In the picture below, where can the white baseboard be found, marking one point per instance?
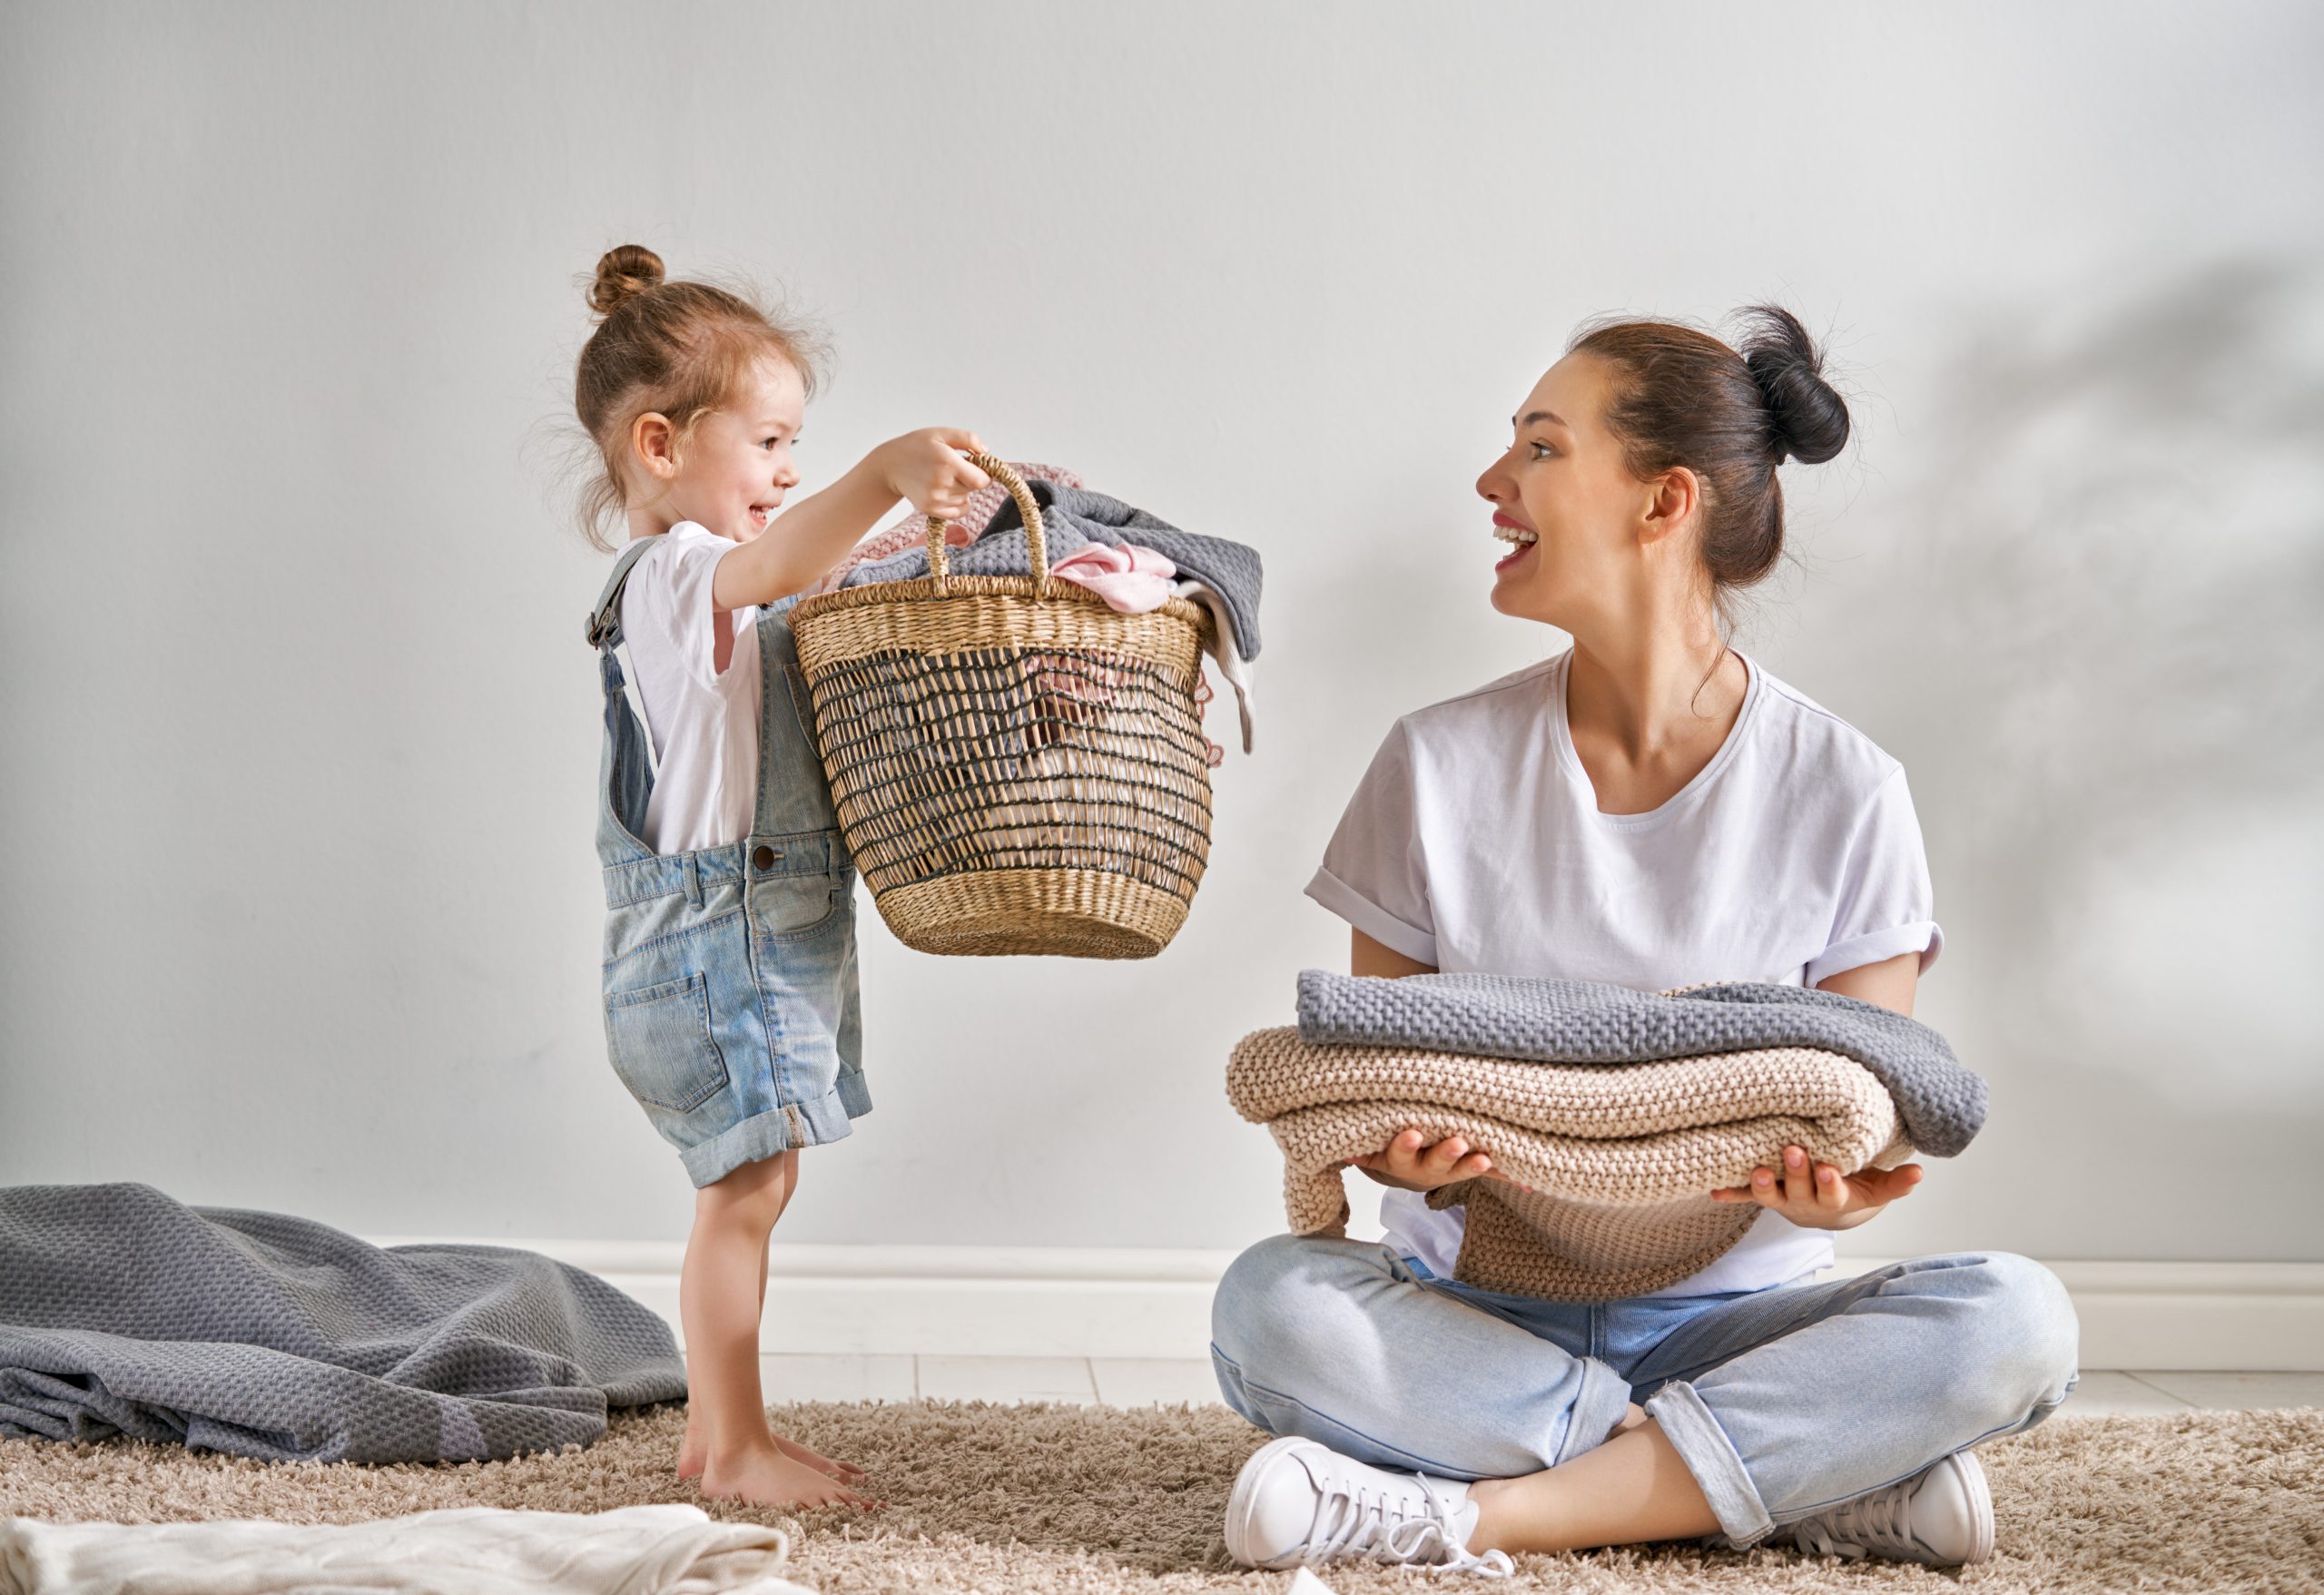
(1129, 1302)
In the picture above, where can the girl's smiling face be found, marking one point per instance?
(731, 473)
(1565, 502)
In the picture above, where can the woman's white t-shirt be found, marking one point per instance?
(1474, 843)
(704, 721)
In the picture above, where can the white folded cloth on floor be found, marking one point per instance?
(667, 1550)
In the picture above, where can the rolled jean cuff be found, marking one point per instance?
(813, 1123)
(1603, 1400)
(1695, 1435)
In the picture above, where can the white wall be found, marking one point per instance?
(301, 911)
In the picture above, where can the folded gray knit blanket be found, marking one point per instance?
(269, 1336)
(1075, 517)
(1942, 1104)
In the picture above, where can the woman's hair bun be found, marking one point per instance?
(626, 270)
(1810, 419)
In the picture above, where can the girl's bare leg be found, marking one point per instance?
(845, 1472)
(720, 1299)
(693, 1449)
(1633, 1487)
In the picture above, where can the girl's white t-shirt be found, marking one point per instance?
(704, 721)
(1474, 843)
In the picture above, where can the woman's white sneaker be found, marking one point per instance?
(1941, 1515)
(1297, 1501)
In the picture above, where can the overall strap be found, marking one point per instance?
(606, 616)
(604, 622)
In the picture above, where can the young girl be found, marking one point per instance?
(729, 980)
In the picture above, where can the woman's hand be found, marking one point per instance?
(1409, 1164)
(1822, 1197)
(931, 468)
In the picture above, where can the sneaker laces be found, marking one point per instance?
(1879, 1522)
(1382, 1527)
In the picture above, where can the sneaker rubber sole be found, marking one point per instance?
(1239, 1502)
(1981, 1496)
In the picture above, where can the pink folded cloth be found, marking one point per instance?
(1212, 753)
(1072, 691)
(1131, 578)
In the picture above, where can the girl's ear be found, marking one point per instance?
(1673, 499)
(655, 442)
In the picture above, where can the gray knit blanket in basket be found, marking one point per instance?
(1622, 1109)
(124, 1311)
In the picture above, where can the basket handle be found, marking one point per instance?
(939, 567)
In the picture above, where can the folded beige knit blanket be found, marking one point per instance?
(1622, 1158)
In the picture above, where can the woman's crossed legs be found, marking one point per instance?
(1777, 1404)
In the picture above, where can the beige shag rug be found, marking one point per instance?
(1054, 1498)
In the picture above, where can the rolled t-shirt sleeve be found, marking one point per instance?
(1375, 871)
(1886, 907)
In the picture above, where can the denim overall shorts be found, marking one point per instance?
(732, 1008)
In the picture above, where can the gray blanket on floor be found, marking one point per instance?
(1074, 517)
(1942, 1104)
(264, 1335)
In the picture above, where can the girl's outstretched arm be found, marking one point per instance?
(929, 467)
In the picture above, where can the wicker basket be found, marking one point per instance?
(1017, 767)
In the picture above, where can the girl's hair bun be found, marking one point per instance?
(1810, 419)
(623, 271)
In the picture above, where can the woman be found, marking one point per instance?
(1653, 810)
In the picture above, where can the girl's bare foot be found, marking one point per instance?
(693, 1454)
(845, 1472)
(765, 1476)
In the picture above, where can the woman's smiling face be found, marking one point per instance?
(1564, 501)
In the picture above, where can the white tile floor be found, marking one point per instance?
(1141, 1382)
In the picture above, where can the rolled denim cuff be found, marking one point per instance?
(1695, 1435)
(1603, 1400)
(828, 1117)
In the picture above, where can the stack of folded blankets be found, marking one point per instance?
(1622, 1109)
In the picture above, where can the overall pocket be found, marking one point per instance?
(800, 907)
(659, 1039)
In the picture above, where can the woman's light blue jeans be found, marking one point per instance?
(1782, 1402)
